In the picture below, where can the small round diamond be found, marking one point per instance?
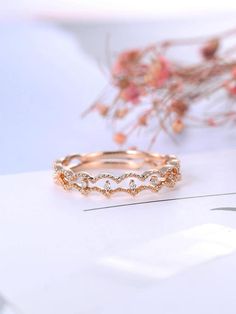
(83, 183)
(132, 184)
(107, 186)
(154, 180)
(68, 174)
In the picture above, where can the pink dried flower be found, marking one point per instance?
(124, 62)
(234, 73)
(131, 94)
(158, 73)
(168, 90)
(211, 122)
(210, 48)
(231, 87)
(179, 107)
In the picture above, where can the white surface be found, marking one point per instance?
(53, 252)
(177, 252)
(46, 81)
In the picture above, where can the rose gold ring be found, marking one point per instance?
(146, 171)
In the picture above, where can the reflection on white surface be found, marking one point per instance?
(166, 256)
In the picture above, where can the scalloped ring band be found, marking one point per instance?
(143, 171)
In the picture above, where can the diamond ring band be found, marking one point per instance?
(144, 171)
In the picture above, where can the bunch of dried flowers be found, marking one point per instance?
(154, 91)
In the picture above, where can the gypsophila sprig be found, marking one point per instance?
(154, 91)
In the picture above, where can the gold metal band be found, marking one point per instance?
(146, 171)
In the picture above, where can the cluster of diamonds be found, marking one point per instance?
(152, 180)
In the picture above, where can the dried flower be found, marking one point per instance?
(178, 126)
(234, 73)
(122, 82)
(121, 113)
(210, 48)
(102, 109)
(131, 94)
(158, 72)
(143, 119)
(120, 138)
(164, 90)
(124, 62)
(231, 87)
(211, 122)
(176, 87)
(179, 107)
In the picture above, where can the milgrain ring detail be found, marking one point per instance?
(164, 170)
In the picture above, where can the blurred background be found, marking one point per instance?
(53, 64)
(110, 10)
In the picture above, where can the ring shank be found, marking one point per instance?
(130, 159)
